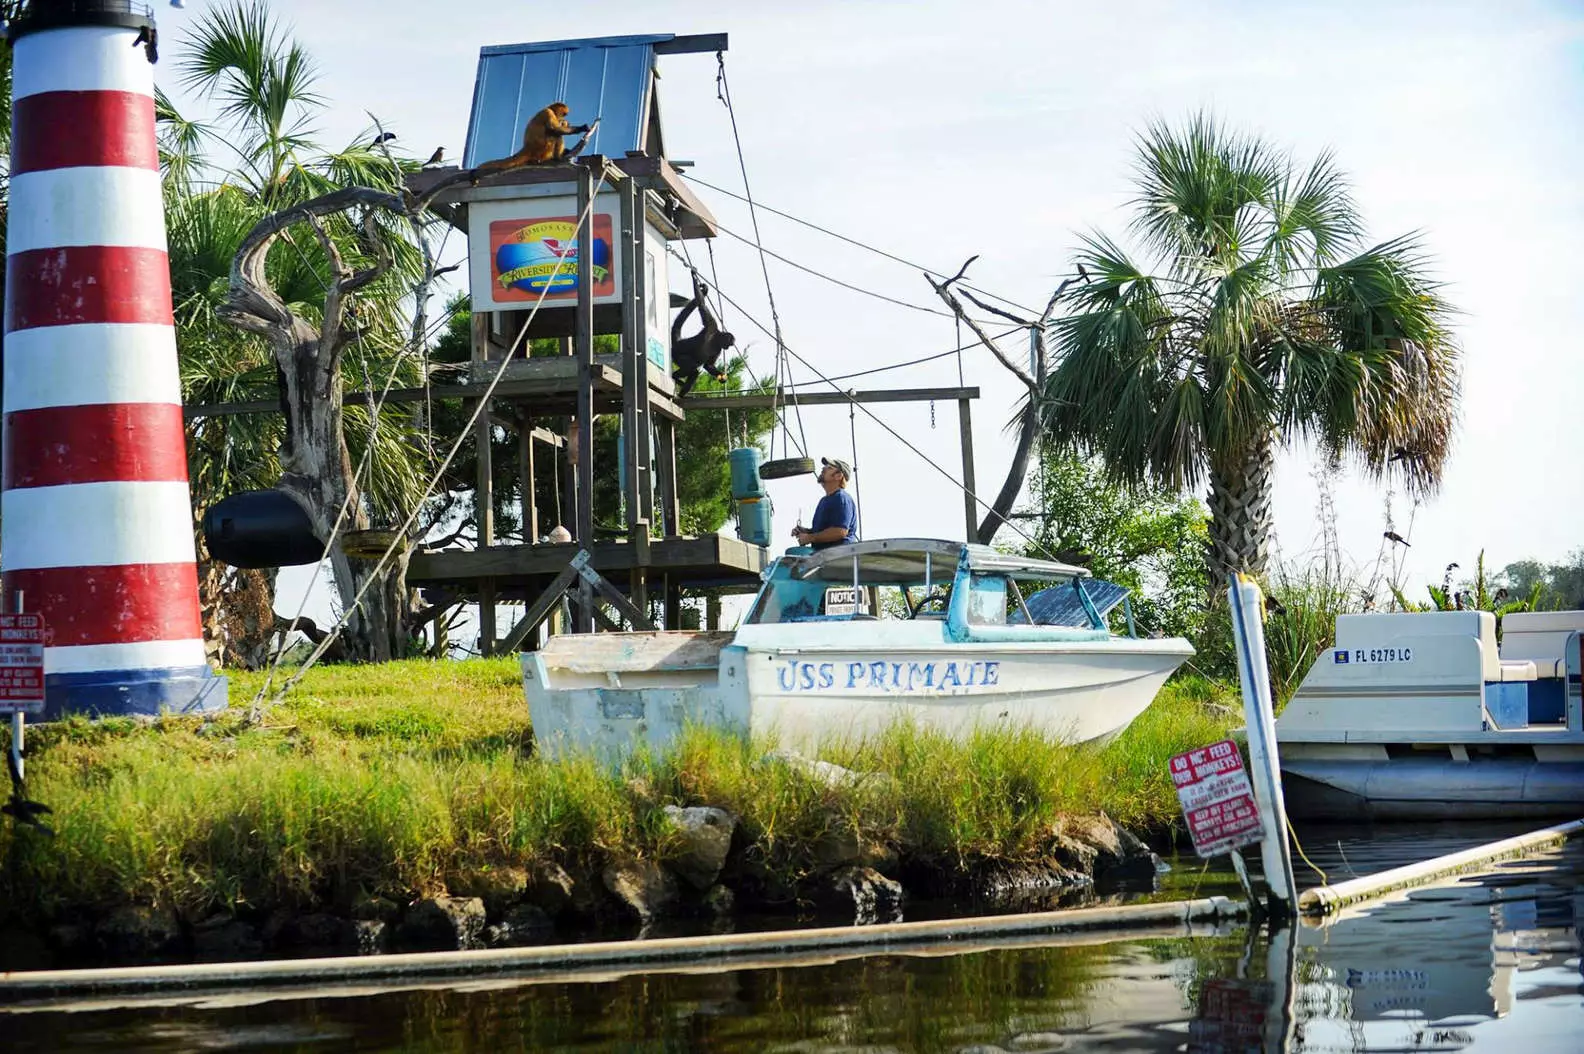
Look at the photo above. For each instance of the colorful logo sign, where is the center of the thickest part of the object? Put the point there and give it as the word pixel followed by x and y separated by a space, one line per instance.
pixel 527 256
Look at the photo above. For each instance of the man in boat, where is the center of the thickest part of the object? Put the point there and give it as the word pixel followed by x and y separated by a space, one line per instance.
pixel 836 515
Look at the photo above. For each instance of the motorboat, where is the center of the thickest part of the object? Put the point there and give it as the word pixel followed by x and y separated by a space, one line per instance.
pixel 842 643
pixel 1421 715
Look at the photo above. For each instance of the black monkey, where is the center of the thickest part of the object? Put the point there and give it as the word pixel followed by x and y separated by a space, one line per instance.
pixel 703 349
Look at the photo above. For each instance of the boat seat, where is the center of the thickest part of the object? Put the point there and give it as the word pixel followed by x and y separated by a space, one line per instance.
pixel 1541 637
pixel 1518 671
pixel 1388 629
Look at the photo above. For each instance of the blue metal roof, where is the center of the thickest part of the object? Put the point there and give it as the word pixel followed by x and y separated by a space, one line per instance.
pixel 611 78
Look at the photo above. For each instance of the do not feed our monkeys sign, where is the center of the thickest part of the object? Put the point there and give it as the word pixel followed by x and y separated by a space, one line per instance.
pixel 21 664
pixel 1217 800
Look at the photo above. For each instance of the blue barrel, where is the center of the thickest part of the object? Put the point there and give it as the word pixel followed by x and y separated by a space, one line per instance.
pixel 745 481
pixel 753 520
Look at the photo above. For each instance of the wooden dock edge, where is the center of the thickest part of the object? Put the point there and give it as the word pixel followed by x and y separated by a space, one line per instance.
pixel 1327 900
pixel 769 949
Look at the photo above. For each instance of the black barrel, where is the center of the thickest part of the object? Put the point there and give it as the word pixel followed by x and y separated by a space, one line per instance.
pixel 261 528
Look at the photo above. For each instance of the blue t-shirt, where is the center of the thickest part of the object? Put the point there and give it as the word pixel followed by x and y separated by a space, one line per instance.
pixel 836 510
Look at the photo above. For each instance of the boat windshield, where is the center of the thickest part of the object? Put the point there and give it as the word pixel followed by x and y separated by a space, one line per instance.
pixel 913 578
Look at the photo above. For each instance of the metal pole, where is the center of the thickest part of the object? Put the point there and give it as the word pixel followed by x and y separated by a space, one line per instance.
pixel 18 718
pixel 1248 631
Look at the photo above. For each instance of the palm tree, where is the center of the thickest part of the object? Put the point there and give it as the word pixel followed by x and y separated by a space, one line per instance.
pixel 1261 317
pixel 220 183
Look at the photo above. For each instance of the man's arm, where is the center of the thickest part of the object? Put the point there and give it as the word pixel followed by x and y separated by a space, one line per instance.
pixel 829 534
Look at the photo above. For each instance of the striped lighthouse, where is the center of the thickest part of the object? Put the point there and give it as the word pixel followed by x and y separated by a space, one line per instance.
pixel 96 525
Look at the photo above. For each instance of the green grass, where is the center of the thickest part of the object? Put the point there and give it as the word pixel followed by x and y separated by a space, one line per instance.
pixel 405 779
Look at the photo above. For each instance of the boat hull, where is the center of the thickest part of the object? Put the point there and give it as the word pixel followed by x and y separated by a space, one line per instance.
pixel 1077 693
pixel 1433 788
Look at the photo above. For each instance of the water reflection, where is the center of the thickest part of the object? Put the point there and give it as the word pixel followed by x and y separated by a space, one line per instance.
pixel 1490 962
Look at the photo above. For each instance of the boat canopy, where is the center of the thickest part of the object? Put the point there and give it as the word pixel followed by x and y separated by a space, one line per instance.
pixel 909 561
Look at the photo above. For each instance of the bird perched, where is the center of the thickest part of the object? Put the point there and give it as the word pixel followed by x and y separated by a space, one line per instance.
pixel 1393 536
pixel 387 137
pixel 1274 606
pixel 436 157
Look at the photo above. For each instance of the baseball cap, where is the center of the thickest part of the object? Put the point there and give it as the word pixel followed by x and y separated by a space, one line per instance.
pixel 844 467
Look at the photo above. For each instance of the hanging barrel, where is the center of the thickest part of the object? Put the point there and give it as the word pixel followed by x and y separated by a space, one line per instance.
pixel 753 520
pixel 260 528
pixel 745 482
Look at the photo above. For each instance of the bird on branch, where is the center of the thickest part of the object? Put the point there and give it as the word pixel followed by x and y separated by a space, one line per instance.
pixel 435 158
pixel 387 137
pixel 1393 536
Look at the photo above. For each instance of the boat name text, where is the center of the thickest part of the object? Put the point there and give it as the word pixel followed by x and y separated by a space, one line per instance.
pixel 796 676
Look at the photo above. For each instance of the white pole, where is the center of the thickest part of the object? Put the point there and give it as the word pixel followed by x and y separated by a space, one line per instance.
pixel 1248 631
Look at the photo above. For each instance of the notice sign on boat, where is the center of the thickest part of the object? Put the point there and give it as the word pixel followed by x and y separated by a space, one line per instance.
pixel 21 664
pixel 1216 798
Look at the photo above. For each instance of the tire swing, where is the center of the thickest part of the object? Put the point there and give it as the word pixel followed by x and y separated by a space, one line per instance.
pixel 786 468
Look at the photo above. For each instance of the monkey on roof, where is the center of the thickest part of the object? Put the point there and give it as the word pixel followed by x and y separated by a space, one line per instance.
pixel 701 351
pixel 541 140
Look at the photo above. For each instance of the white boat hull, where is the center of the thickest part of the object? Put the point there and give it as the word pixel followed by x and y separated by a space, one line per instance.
pixel 812 693
pixel 1074 693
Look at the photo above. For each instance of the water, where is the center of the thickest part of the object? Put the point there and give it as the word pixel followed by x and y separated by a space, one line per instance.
pixel 1486 963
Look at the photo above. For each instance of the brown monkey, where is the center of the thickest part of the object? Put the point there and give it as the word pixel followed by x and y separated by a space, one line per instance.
pixel 541 140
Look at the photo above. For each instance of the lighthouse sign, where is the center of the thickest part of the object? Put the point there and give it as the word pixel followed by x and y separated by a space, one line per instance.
pixel 21 664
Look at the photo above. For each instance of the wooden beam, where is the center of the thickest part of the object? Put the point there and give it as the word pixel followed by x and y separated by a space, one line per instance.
pixel 714 553
pixel 970 502
pixel 607 378
pixel 615 598
pixel 885 395
pixel 693 43
pixel 544 605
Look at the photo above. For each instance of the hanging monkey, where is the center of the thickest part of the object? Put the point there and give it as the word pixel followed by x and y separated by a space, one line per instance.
pixel 703 349
pixel 541 141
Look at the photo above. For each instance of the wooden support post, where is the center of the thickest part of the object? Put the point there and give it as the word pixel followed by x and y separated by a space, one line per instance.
pixel 583 341
pixel 484 487
pixel 673 603
pixel 670 507
pixel 635 389
pixel 525 468
pixel 970 503
pixel 486 616
pixel 484 494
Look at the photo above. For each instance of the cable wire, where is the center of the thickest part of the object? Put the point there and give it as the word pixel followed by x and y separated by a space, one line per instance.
pixel 723 93
pixel 854 242
pixel 1036 543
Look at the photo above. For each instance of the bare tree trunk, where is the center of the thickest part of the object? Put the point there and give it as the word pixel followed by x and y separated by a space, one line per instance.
pixel 1240 513
pixel 1029 419
pixel 316 466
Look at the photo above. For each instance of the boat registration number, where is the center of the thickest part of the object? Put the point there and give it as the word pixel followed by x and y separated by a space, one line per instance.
pixel 1359 656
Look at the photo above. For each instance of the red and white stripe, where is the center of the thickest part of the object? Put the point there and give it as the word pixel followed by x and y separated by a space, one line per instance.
pixel 97 518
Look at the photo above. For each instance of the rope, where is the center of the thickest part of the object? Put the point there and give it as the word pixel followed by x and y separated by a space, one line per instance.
pixel 833 281
pixel 723 93
pixel 855 242
pixel 466 430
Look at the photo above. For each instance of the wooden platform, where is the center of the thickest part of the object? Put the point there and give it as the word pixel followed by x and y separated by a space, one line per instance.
pixel 714 561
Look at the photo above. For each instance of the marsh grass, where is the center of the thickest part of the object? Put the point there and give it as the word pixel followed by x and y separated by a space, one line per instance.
pixel 399 780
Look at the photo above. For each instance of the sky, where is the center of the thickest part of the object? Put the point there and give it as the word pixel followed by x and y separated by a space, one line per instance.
pixel 937 131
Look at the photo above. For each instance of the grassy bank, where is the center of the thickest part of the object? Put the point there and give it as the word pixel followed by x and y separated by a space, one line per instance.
pixel 413 778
